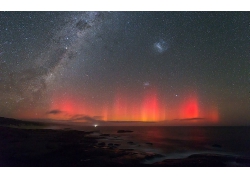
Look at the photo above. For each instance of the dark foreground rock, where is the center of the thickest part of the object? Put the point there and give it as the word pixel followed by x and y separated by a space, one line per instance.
pixel 101 144
pixel 130 142
pixel 216 145
pixel 19 123
pixel 153 155
pixel 60 148
pixel 206 160
pixel 124 131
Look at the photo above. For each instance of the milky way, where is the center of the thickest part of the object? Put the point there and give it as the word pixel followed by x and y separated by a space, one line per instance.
pixel 126 66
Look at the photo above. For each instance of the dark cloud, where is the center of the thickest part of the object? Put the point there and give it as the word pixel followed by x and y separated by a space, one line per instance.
pixel 76 117
pixel 98 117
pixel 82 117
pixel 82 25
pixel 72 55
pixel 86 119
pixel 55 111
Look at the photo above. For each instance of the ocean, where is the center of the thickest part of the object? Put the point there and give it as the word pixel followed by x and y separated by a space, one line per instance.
pixel 177 142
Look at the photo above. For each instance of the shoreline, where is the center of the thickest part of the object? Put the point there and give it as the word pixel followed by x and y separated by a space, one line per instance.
pixel 73 148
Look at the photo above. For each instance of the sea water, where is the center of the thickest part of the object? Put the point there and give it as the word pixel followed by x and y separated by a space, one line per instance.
pixel 177 142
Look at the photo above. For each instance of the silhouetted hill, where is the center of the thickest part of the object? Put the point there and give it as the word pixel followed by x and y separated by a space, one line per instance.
pixel 14 122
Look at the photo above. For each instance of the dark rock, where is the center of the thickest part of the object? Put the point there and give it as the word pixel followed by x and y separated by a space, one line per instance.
pixel 151 156
pixel 127 149
pixel 101 144
pixel 149 143
pixel 243 160
pixel 216 145
pixel 197 160
pixel 105 135
pixel 117 144
pixel 110 144
pixel 124 131
pixel 130 142
pixel 91 132
pixel 13 122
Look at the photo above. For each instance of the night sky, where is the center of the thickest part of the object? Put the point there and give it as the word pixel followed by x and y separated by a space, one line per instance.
pixel 174 68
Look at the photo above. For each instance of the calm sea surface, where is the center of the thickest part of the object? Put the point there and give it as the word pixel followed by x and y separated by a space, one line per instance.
pixel 178 142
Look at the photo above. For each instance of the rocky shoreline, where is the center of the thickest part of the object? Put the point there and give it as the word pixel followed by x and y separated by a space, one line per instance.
pixel 72 148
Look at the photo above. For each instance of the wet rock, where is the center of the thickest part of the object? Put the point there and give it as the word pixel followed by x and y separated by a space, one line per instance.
pixel 124 131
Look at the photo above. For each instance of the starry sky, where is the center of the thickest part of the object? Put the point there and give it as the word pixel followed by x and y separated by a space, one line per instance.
pixel 171 68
